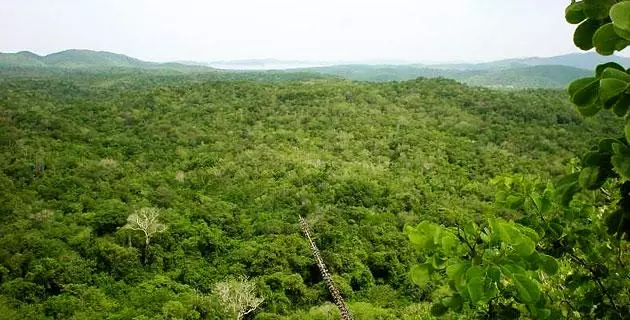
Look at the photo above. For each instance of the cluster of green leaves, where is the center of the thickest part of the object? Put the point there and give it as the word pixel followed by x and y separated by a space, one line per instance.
pixel 575 229
pixel 609 89
pixel 496 266
pixel 603 24
pixel 554 260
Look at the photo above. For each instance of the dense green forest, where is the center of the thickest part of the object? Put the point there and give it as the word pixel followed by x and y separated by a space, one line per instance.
pixel 229 166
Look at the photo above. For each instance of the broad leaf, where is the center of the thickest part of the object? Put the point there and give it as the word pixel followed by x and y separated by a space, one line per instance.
pixel 589 177
pixel 583 36
pixel 606 145
pixel 475 289
pixel 587 95
pixel 574 13
pixel 591 110
pixel 423 235
pixel 578 84
pixel 494 273
pixel 549 264
pixel 511 269
pixel 529 232
pixel 620 15
pixel 437 310
pixel 527 288
pixel 420 274
pixel 620 108
pixel 621 160
pixel 623 33
pixel 567 187
pixel 600 68
pixel 471 229
pixel 456 271
pixel 615 73
pixel 592 159
pixel 610 89
pixel 598 9
pixel 606 40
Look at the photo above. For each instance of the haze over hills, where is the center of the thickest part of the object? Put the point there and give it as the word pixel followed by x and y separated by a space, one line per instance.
pixel 86 59
pixel 537 72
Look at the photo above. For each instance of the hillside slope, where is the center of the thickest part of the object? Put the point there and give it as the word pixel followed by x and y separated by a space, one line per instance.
pixel 229 166
pixel 553 76
pixel 83 61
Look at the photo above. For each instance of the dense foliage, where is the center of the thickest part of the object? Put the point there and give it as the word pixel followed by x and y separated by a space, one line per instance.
pixel 564 254
pixel 228 166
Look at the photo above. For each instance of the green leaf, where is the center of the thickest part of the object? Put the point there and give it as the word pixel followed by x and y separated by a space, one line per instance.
pixel 623 33
pixel 583 36
pixel 610 89
pixel 606 40
pixel 453 302
pixel 567 187
pixel 587 95
pixel 579 84
pixel 598 9
pixel 591 159
pixel 549 264
pixel 448 241
pixel 420 274
pixel 511 269
pixel 437 310
pixel 525 247
pixel 494 273
pixel 456 273
pixel 541 313
pixel 589 111
pixel 471 229
pixel 574 13
pixel 527 288
pixel 543 204
pixel 621 107
pixel 615 73
pixel 621 160
pixel 529 232
pixel 600 68
pixel 605 145
pixel 589 178
pixel 423 235
pixel 475 288
pixel 457 270
pixel 620 15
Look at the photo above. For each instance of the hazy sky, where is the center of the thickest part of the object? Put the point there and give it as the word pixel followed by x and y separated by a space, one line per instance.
pixel 323 30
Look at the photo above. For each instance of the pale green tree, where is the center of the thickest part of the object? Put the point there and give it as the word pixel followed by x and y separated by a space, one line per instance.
pixel 238 297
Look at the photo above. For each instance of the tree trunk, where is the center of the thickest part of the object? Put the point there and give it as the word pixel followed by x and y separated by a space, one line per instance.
pixel 345 314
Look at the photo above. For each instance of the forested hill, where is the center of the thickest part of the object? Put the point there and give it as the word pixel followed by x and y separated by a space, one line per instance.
pixel 86 60
pixel 547 76
pixel 229 166
pixel 553 72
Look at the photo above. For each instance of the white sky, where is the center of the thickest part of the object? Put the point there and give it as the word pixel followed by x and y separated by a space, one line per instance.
pixel 317 30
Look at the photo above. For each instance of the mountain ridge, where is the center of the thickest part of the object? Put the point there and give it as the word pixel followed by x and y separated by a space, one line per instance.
pixel 78 59
pixel 532 72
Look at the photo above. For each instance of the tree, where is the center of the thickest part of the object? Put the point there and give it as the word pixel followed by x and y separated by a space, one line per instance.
pixel 238 296
pixel 145 220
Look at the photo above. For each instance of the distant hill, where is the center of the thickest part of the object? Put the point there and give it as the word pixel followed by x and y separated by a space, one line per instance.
pixel 543 76
pixel 552 76
pixel 87 60
pixel 535 72
pixel 588 60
